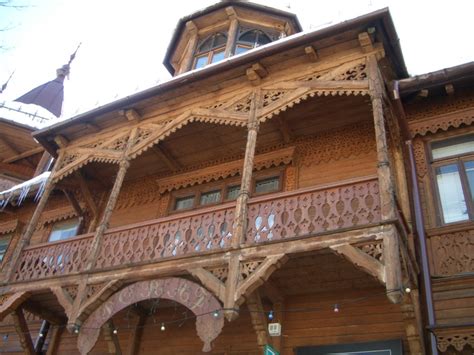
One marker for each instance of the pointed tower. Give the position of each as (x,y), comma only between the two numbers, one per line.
(225,29)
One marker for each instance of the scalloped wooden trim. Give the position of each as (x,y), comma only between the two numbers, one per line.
(8,227)
(58,214)
(222,171)
(442,122)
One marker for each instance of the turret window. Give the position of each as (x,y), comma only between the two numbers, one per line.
(249,39)
(210,50)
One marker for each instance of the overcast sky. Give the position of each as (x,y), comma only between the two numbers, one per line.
(123,42)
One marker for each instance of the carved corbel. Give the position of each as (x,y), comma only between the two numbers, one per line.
(256,73)
(311,53)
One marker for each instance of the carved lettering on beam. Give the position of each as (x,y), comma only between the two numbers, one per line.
(259,322)
(311,53)
(256,72)
(131,115)
(22,331)
(365,42)
(367,263)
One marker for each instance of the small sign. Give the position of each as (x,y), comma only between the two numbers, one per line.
(268,350)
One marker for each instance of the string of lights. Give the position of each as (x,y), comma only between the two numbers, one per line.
(270,314)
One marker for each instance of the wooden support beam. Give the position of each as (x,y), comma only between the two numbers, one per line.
(384,173)
(259,321)
(89,199)
(136,335)
(74,203)
(233,31)
(92,127)
(209,281)
(362,260)
(6,142)
(43,163)
(393,268)
(188,57)
(166,157)
(241,208)
(111,338)
(16,170)
(256,72)
(23,155)
(365,42)
(413,323)
(22,331)
(311,53)
(131,115)
(54,340)
(61,141)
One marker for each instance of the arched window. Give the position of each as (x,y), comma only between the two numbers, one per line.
(210,50)
(251,39)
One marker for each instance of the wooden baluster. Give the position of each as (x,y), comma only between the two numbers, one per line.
(393,280)
(241,209)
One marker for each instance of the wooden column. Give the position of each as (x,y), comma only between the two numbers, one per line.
(44,161)
(30,229)
(391,249)
(54,340)
(241,210)
(99,233)
(188,58)
(113,197)
(136,335)
(111,338)
(86,193)
(259,321)
(22,331)
(385,177)
(233,31)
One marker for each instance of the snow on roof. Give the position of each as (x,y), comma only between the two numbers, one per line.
(22,190)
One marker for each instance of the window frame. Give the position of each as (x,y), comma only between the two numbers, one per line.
(211,52)
(78,230)
(8,237)
(459,160)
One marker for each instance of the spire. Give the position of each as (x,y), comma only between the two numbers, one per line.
(51,94)
(4,86)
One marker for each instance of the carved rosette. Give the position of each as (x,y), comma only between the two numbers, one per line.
(200,301)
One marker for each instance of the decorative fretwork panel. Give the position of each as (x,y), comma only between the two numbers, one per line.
(53,259)
(457,341)
(375,250)
(452,253)
(308,213)
(169,237)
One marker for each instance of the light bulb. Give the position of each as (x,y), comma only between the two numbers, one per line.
(408,290)
(216,314)
(270,315)
(115,331)
(162,327)
(336,308)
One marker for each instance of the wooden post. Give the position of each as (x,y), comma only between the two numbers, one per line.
(30,229)
(86,193)
(136,335)
(111,338)
(99,233)
(54,340)
(187,62)
(393,274)
(44,161)
(22,331)
(113,197)
(386,183)
(241,210)
(259,321)
(233,31)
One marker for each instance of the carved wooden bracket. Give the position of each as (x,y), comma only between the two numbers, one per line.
(10,302)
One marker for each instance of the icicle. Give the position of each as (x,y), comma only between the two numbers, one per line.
(40,190)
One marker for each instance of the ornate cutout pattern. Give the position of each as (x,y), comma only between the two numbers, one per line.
(442,122)
(375,250)
(248,268)
(457,341)
(310,213)
(453,253)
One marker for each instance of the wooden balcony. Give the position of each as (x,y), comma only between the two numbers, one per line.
(272,219)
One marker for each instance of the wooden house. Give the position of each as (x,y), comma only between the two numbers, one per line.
(265,186)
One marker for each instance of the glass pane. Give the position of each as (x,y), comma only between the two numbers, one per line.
(469,167)
(267,185)
(217,56)
(263,39)
(232,192)
(210,197)
(249,37)
(184,203)
(200,62)
(219,40)
(451,194)
(4,241)
(241,49)
(64,230)
(453,146)
(206,45)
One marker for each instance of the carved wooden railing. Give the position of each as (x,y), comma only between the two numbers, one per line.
(273,217)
